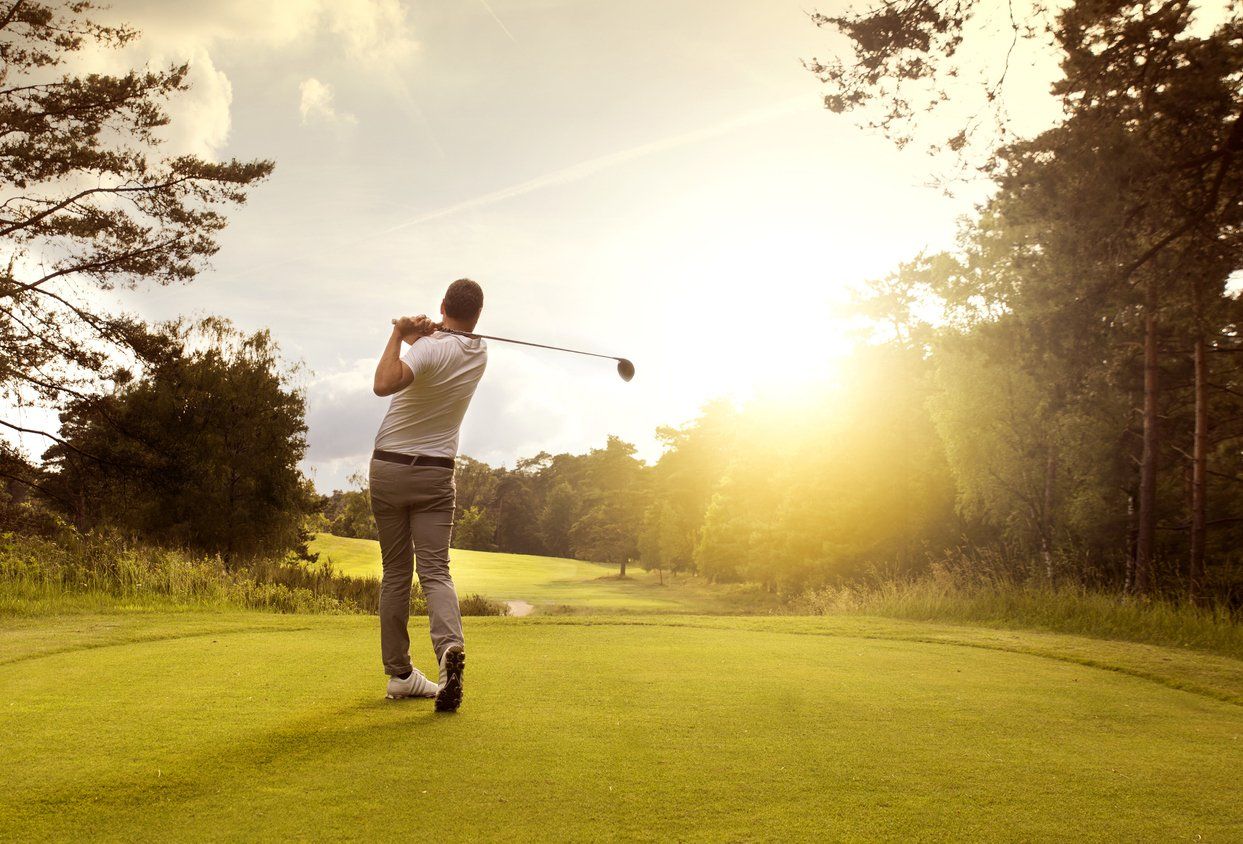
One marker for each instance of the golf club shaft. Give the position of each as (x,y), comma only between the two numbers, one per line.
(526,343)
(522,343)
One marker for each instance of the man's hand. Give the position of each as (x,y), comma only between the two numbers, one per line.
(412,328)
(391,375)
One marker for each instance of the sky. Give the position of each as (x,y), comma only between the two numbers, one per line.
(647,179)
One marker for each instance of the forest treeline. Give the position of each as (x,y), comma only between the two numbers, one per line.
(1064,384)
(914,455)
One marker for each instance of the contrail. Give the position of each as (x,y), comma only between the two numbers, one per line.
(592,166)
(499,22)
(573,173)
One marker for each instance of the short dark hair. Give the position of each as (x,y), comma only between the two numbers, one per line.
(464,300)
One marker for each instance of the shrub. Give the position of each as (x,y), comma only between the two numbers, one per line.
(479,605)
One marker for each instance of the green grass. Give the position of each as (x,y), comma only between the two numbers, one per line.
(355,557)
(553,582)
(1038,606)
(244,726)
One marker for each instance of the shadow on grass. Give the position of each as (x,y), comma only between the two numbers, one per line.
(367,727)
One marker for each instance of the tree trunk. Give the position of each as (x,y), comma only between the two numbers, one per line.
(1132,532)
(1046,517)
(1148,459)
(1199,475)
(623,569)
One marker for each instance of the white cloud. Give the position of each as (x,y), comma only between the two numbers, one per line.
(316,104)
(199,118)
(374,32)
(373,36)
(202,122)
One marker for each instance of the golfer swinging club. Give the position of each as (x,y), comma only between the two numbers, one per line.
(412,487)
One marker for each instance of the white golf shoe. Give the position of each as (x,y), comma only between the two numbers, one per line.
(416,685)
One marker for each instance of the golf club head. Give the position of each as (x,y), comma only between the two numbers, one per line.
(625,369)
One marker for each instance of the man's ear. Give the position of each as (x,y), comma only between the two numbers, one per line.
(442,308)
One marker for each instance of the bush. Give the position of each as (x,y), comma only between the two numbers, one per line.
(479,605)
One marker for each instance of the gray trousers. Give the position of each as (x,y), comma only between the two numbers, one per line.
(413,508)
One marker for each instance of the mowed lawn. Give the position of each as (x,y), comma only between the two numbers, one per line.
(248,726)
(547,582)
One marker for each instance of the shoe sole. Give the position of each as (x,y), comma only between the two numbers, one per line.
(450,697)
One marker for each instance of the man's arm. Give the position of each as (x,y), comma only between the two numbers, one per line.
(391,375)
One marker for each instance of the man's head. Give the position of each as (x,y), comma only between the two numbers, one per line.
(463,302)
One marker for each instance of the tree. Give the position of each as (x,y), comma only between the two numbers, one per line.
(682,485)
(348,512)
(91,205)
(612,505)
(476,484)
(474,530)
(202,450)
(516,505)
(557,518)
(1150,150)
(665,543)
(725,541)
(20,508)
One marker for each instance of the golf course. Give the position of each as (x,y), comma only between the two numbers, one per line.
(524,421)
(243,725)
(532,583)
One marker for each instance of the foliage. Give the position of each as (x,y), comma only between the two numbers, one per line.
(474,530)
(819,489)
(348,512)
(479,605)
(611,481)
(21,508)
(201,450)
(1088,378)
(91,204)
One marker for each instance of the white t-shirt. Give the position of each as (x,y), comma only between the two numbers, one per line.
(426,416)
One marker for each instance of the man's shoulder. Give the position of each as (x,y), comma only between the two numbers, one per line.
(457,341)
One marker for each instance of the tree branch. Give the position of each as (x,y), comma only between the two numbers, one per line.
(11,13)
(16,226)
(55,439)
(42,489)
(96,265)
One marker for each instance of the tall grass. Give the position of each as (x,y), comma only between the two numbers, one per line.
(943,595)
(76,572)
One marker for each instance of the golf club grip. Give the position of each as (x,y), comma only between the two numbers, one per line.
(440,327)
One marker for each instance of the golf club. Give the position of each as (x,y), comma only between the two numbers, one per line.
(624,367)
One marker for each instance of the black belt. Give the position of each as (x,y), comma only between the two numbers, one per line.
(412,459)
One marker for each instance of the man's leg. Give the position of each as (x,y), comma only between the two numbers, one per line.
(432,532)
(397,551)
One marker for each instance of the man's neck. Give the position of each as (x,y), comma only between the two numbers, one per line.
(458,325)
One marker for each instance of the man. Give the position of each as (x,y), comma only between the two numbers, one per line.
(412,487)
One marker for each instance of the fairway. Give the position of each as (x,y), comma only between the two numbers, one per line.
(544,582)
(240,726)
